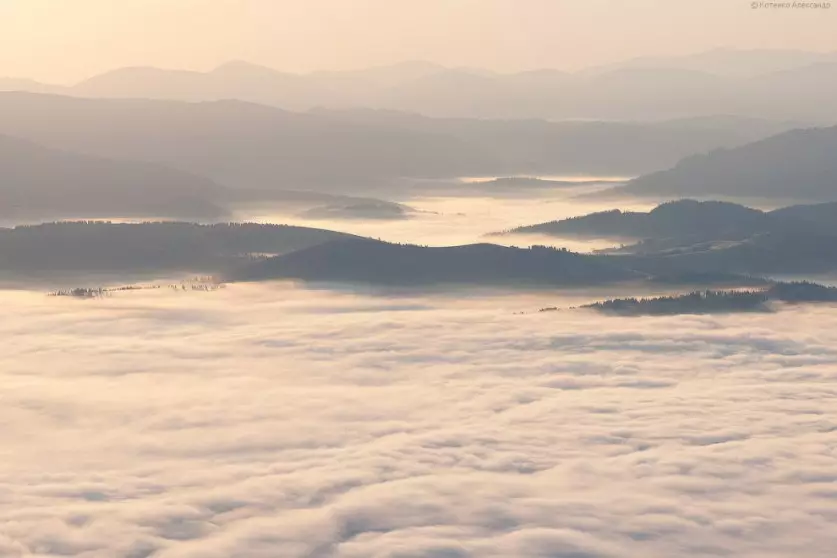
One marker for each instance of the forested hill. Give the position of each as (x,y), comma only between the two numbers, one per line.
(379,263)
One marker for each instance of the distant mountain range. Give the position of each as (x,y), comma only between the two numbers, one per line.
(255,147)
(748,83)
(167,159)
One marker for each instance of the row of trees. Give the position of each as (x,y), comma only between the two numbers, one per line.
(708,301)
(200,284)
(698,302)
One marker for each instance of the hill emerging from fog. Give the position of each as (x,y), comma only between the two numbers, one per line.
(375,263)
(679,219)
(799,164)
(686,219)
(371,262)
(361,210)
(689,236)
(252,252)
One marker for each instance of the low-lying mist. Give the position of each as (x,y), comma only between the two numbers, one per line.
(271,420)
(453,220)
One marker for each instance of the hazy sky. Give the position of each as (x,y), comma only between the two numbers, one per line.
(67,40)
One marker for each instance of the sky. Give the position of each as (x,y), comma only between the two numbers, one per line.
(64,41)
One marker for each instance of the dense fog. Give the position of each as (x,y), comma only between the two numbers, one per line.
(257,418)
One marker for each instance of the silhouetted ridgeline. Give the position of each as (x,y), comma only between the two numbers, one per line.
(372,262)
(762,83)
(54,248)
(714,302)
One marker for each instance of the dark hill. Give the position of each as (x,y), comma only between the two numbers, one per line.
(680,219)
(688,226)
(380,263)
(53,249)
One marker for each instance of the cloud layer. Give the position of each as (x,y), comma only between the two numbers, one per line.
(273,421)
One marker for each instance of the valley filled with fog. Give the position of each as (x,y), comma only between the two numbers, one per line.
(328,423)
(466,219)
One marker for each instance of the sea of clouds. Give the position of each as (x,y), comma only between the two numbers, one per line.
(273,421)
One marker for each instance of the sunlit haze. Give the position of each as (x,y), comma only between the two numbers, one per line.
(66,41)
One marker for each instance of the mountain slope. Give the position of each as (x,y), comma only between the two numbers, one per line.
(40,183)
(609,148)
(234,143)
(53,250)
(797,164)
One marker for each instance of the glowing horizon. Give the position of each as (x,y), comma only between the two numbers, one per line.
(68,42)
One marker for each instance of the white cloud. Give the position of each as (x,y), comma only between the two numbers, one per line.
(265,421)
